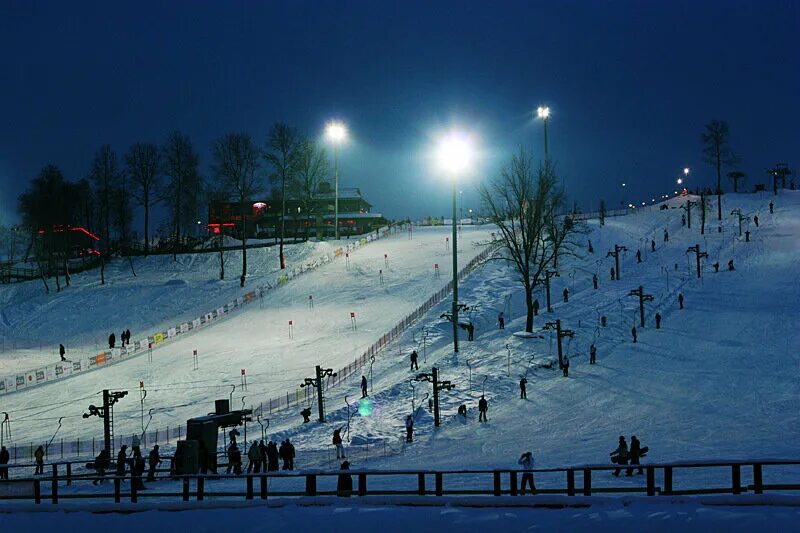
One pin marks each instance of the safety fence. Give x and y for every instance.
(61, 370)
(65, 482)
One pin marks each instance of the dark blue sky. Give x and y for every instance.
(630, 83)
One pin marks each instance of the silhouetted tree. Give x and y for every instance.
(143, 168)
(735, 177)
(717, 151)
(281, 155)
(312, 167)
(180, 166)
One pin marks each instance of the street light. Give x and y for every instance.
(454, 154)
(544, 113)
(336, 132)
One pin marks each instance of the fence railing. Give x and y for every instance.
(671, 479)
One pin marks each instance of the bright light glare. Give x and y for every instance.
(336, 132)
(454, 153)
(680, 181)
(686, 171)
(543, 112)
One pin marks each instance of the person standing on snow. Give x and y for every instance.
(755, 219)
(666, 235)
(680, 300)
(658, 320)
(414, 356)
(526, 460)
(592, 354)
(5, 457)
(154, 459)
(364, 386)
(483, 406)
(566, 295)
(39, 456)
(612, 273)
(409, 429)
(633, 333)
(565, 366)
(122, 459)
(337, 441)
(634, 454)
(652, 245)
(62, 351)
(523, 394)
(620, 455)
(536, 307)
(638, 256)
(112, 340)
(594, 281)
(501, 320)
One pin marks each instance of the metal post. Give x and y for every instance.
(320, 402)
(546, 156)
(336, 190)
(558, 336)
(107, 424)
(616, 259)
(435, 372)
(547, 286)
(587, 482)
(455, 274)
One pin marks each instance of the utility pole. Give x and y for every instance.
(688, 208)
(433, 378)
(698, 255)
(642, 299)
(738, 213)
(107, 414)
(615, 255)
(316, 382)
(547, 275)
(560, 334)
(702, 214)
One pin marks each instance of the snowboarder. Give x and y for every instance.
(638, 256)
(112, 340)
(154, 459)
(122, 459)
(591, 249)
(62, 351)
(680, 300)
(39, 456)
(634, 454)
(344, 482)
(501, 320)
(755, 219)
(409, 429)
(566, 295)
(592, 354)
(4, 458)
(523, 394)
(254, 458)
(730, 265)
(414, 356)
(666, 235)
(633, 333)
(337, 441)
(565, 366)
(771, 208)
(483, 406)
(594, 281)
(612, 273)
(652, 245)
(536, 307)
(526, 460)
(364, 386)
(470, 331)
(620, 455)
(306, 415)
(658, 320)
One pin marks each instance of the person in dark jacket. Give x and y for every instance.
(364, 387)
(501, 320)
(273, 457)
(337, 442)
(771, 208)
(666, 235)
(101, 464)
(483, 407)
(634, 454)
(344, 483)
(755, 219)
(594, 280)
(137, 468)
(470, 331)
(565, 366)
(526, 460)
(409, 429)
(730, 265)
(633, 333)
(566, 295)
(620, 455)
(62, 352)
(592, 354)
(306, 415)
(39, 456)
(127, 337)
(414, 356)
(122, 460)
(5, 457)
(154, 459)
(290, 453)
(523, 393)
(680, 300)
(262, 451)
(612, 273)
(652, 245)
(658, 320)
(638, 256)
(112, 340)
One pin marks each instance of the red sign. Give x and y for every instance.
(290, 322)
(194, 353)
(436, 265)
(352, 315)
(243, 371)
(141, 384)
(310, 297)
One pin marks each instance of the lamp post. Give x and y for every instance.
(454, 154)
(337, 133)
(544, 113)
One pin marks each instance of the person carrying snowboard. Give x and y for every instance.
(523, 394)
(634, 454)
(483, 406)
(526, 460)
(414, 356)
(620, 455)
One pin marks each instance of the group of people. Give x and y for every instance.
(135, 464)
(266, 457)
(124, 337)
(624, 455)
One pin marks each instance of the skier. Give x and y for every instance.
(409, 429)
(483, 406)
(620, 455)
(337, 441)
(680, 300)
(634, 454)
(122, 459)
(501, 320)
(62, 351)
(344, 482)
(594, 281)
(39, 457)
(566, 295)
(254, 458)
(755, 219)
(470, 331)
(414, 356)
(652, 245)
(523, 394)
(526, 460)
(612, 273)
(592, 354)
(638, 256)
(112, 340)
(154, 459)
(771, 208)
(633, 333)
(666, 235)
(730, 265)
(658, 320)
(4, 458)
(565, 366)
(364, 386)
(306, 415)
(536, 307)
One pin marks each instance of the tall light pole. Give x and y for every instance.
(337, 133)
(454, 155)
(544, 113)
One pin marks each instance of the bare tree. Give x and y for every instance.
(105, 176)
(524, 204)
(312, 168)
(143, 168)
(236, 165)
(735, 177)
(717, 152)
(281, 155)
(180, 163)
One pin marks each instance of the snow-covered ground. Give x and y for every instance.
(719, 380)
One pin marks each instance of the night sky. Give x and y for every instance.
(630, 84)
